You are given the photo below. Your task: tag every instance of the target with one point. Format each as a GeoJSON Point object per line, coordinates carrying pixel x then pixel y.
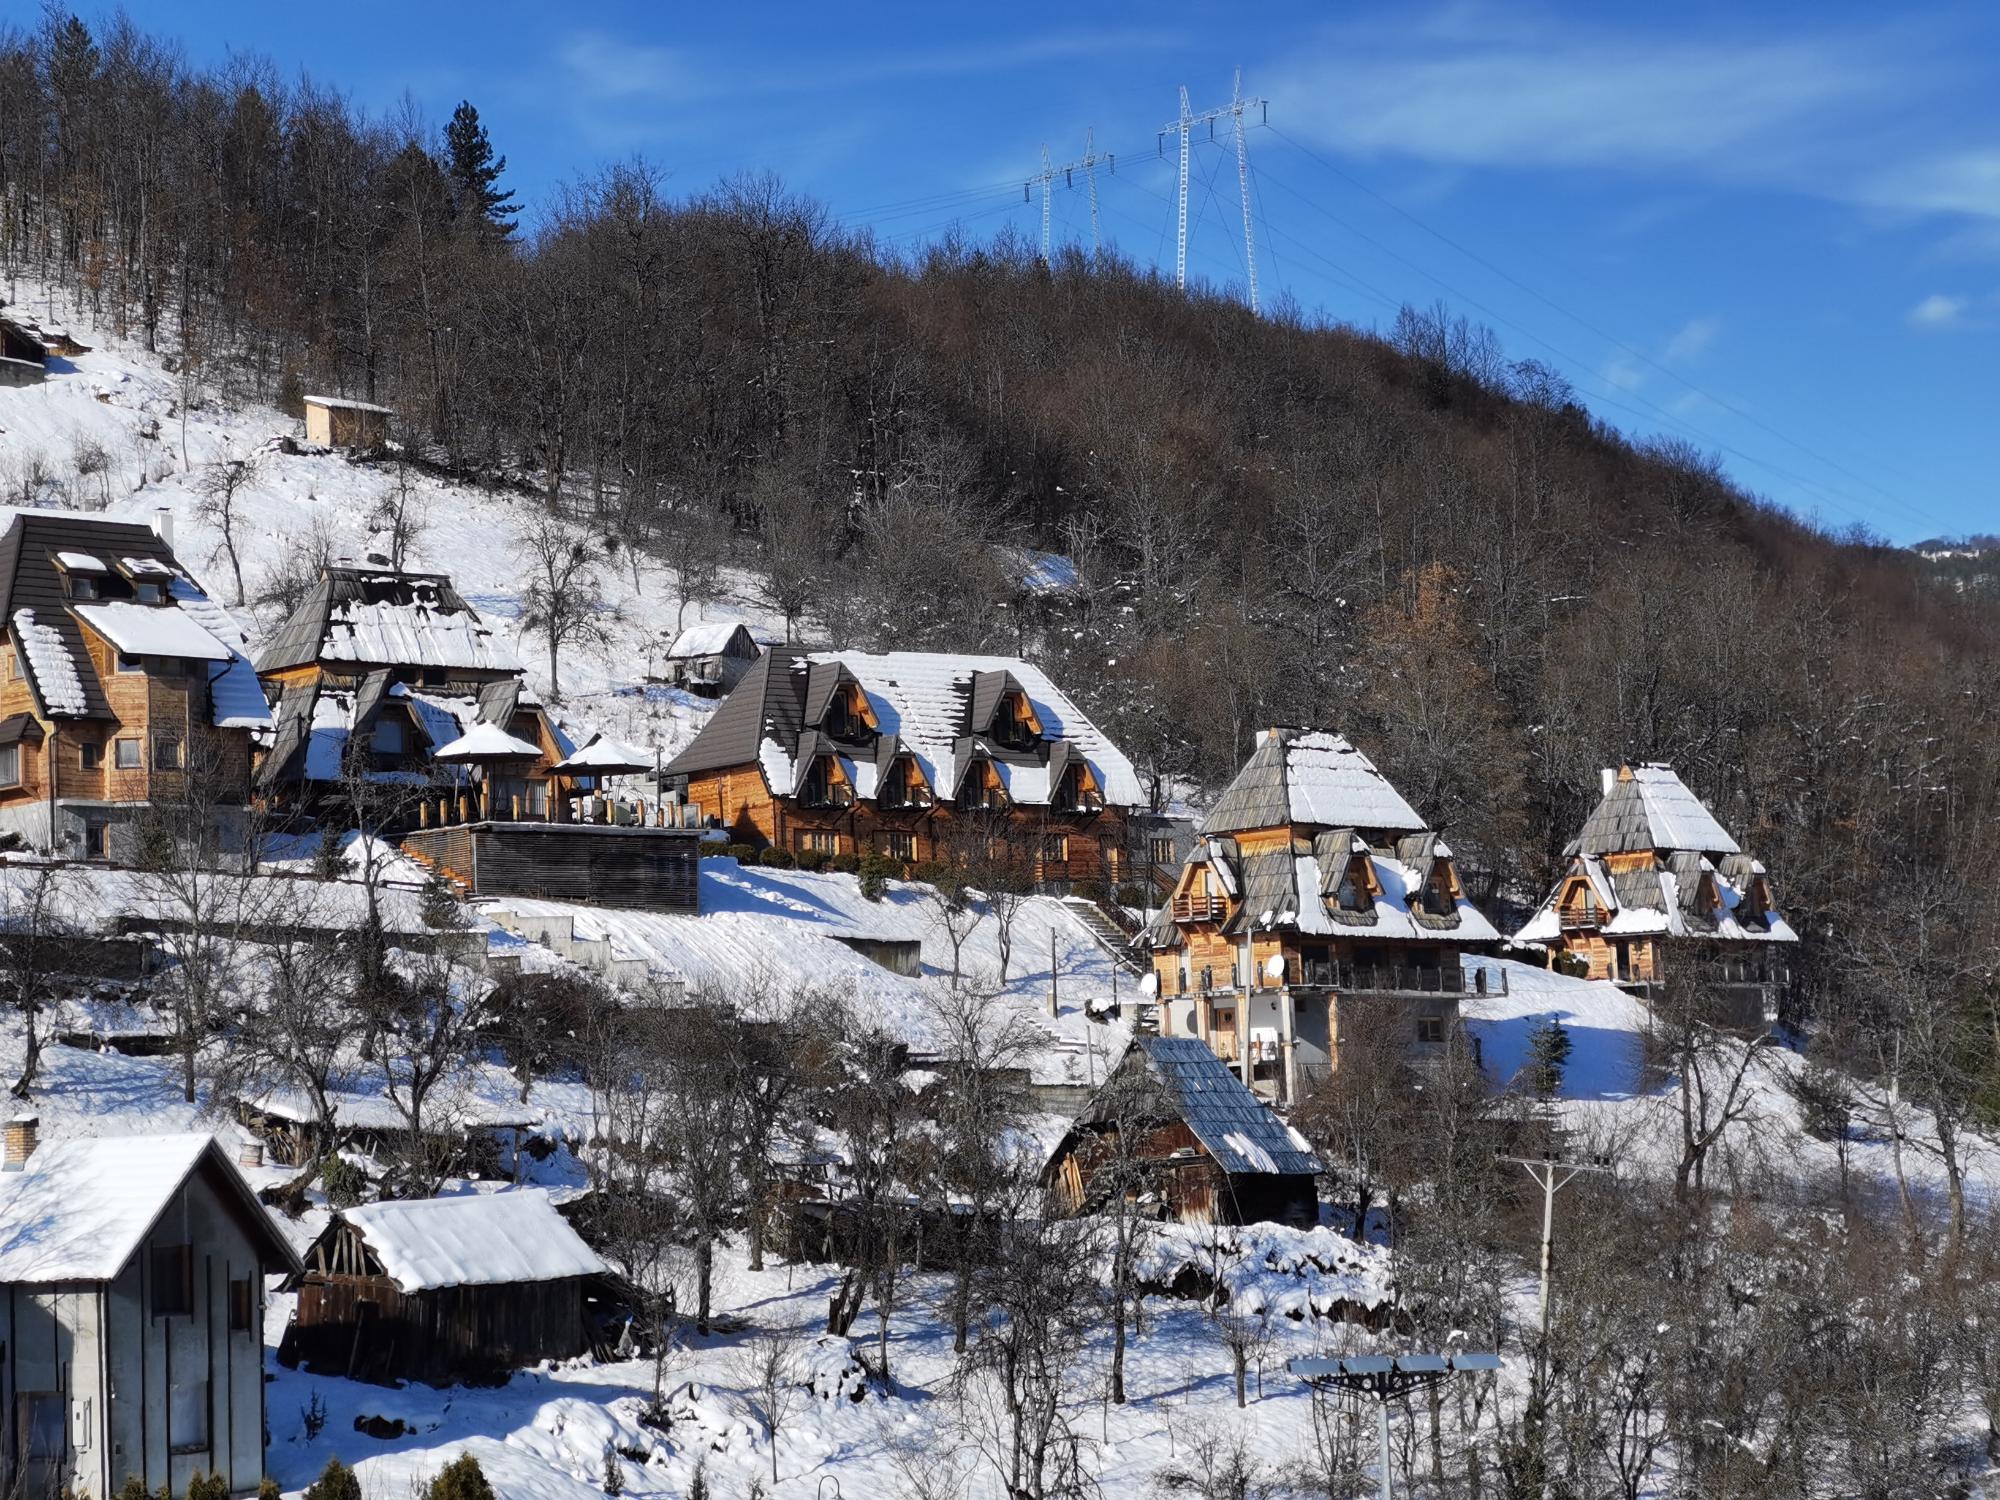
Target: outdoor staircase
{"type": "Point", "coordinates": [1112, 938]}
{"type": "Point", "coordinates": [460, 886]}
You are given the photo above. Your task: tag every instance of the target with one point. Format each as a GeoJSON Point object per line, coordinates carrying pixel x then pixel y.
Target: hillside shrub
{"type": "Point", "coordinates": [267, 1489]}
{"type": "Point", "coordinates": [342, 1181]}
{"type": "Point", "coordinates": [845, 864]}
{"type": "Point", "coordinates": [207, 1486]}
{"type": "Point", "coordinates": [813, 860]}
{"type": "Point", "coordinates": [876, 871]}
{"type": "Point", "coordinates": [777, 859]}
{"type": "Point", "coordinates": [336, 1482]}
{"type": "Point", "coordinates": [134, 1488]}
{"type": "Point", "coordinates": [743, 854]}
{"type": "Point", "coordinates": [461, 1479]}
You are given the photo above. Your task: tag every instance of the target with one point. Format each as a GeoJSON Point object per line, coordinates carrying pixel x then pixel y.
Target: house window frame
{"type": "Point", "coordinates": [907, 853]}
{"type": "Point", "coordinates": [162, 761]}
{"type": "Point", "coordinates": [242, 1315]}
{"type": "Point", "coordinates": [95, 838]}
{"type": "Point", "coordinates": [819, 841]}
{"type": "Point", "coordinates": [149, 591]}
{"type": "Point", "coordinates": [90, 755]}
{"type": "Point", "coordinates": [130, 665]}
{"type": "Point", "coordinates": [84, 588]}
{"type": "Point", "coordinates": [1055, 848]}
{"type": "Point", "coordinates": [1430, 1031]}
{"type": "Point", "coordinates": [126, 745]}
{"type": "Point", "coordinates": [10, 774]}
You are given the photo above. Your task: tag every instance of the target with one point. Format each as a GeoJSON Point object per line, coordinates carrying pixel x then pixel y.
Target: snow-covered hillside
{"type": "Point", "coordinates": [104, 432]}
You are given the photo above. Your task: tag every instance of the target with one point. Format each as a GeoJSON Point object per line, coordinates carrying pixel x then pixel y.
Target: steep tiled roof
{"type": "Point", "coordinates": [1233, 1126]}
{"type": "Point", "coordinates": [1314, 778]}
{"type": "Point", "coordinates": [378, 617]}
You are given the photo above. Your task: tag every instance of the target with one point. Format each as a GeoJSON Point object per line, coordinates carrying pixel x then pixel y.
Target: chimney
{"type": "Point", "coordinates": [250, 1154]}
{"type": "Point", "coordinates": [163, 524]}
{"type": "Point", "coordinates": [22, 1132]}
{"type": "Point", "coordinates": [1610, 779]}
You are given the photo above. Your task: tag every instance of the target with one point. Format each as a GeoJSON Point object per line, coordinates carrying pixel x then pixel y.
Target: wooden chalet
{"type": "Point", "coordinates": [1653, 883]}
{"type": "Point", "coordinates": [119, 677]}
{"type": "Point", "coordinates": [915, 756]}
{"type": "Point", "coordinates": [131, 1315]}
{"type": "Point", "coordinates": [441, 1289]}
{"type": "Point", "coordinates": [710, 659]}
{"type": "Point", "coordinates": [334, 422]}
{"type": "Point", "coordinates": [1211, 1152]}
{"type": "Point", "coordinates": [1314, 899]}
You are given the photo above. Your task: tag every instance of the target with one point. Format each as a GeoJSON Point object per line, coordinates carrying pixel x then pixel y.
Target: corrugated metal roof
{"type": "Point", "coordinates": [1233, 1126]}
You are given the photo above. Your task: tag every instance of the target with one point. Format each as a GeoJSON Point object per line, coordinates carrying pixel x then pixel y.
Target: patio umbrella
{"type": "Point", "coordinates": [604, 756]}
{"type": "Point", "coordinates": [483, 743]}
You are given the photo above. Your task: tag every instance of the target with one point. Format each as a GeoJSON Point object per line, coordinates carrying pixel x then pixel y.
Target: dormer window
{"type": "Point", "coordinates": [84, 588]}
{"type": "Point", "coordinates": [823, 786]}
{"type": "Point", "coordinates": [981, 789]}
{"type": "Point", "coordinates": [1014, 723]}
{"type": "Point", "coordinates": [903, 786]}
{"type": "Point", "coordinates": [148, 592]}
{"type": "Point", "coordinates": [387, 737]}
{"type": "Point", "coordinates": [1078, 792]}
{"type": "Point", "coordinates": [129, 663]}
{"type": "Point", "coordinates": [1349, 896]}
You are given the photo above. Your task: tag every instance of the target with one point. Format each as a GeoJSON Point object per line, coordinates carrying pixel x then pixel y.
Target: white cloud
{"type": "Point", "coordinates": [1692, 340]}
{"type": "Point", "coordinates": [1939, 311]}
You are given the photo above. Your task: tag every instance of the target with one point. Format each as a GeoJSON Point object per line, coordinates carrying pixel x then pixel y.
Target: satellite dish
{"type": "Point", "coordinates": [1274, 966]}
{"type": "Point", "coordinates": [1150, 985]}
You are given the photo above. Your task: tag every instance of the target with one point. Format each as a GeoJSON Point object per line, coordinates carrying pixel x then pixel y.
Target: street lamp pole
{"type": "Point", "coordinates": [1388, 1378]}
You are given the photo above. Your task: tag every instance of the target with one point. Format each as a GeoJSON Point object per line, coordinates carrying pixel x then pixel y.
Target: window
{"type": "Point", "coordinates": [187, 1415]}
{"type": "Point", "coordinates": [148, 593]}
{"type": "Point", "coordinates": [173, 1281]}
{"type": "Point", "coordinates": [1163, 850]}
{"type": "Point", "coordinates": [128, 663]}
{"type": "Point", "coordinates": [820, 841]}
{"type": "Point", "coordinates": [538, 798]}
{"type": "Point", "coordinates": [10, 765]}
{"type": "Point", "coordinates": [1055, 848]}
{"type": "Point", "coordinates": [128, 755]}
{"type": "Point", "coordinates": [901, 846]}
{"type": "Point", "coordinates": [166, 755]}
{"type": "Point", "coordinates": [91, 755]}
{"type": "Point", "coordinates": [241, 1308]}
{"type": "Point", "coordinates": [1349, 893]}
{"type": "Point", "coordinates": [1430, 1030]}
{"type": "Point", "coordinates": [386, 738]}
{"type": "Point", "coordinates": [93, 838]}
{"type": "Point", "coordinates": [83, 588]}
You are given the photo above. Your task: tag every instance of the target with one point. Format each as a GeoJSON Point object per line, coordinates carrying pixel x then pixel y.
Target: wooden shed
{"type": "Point", "coordinates": [710, 659]}
{"type": "Point", "coordinates": [442, 1289]}
{"type": "Point", "coordinates": [1209, 1151]}
{"type": "Point", "coordinates": [334, 422]}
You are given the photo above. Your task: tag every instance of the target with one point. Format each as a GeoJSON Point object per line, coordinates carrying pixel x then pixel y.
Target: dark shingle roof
{"type": "Point", "coordinates": [770, 691]}
{"type": "Point", "coordinates": [286, 760]}
{"type": "Point", "coordinates": [29, 580]}
{"type": "Point", "coordinates": [1243, 1136]}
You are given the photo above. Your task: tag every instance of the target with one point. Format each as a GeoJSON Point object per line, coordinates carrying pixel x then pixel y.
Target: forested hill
{"type": "Point", "coordinates": [1413, 539]}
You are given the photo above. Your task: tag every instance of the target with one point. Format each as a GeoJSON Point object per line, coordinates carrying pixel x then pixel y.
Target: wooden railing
{"type": "Point", "coordinates": [1199, 908]}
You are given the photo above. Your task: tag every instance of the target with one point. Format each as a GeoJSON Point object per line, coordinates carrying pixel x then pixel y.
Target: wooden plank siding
{"type": "Point", "coordinates": [653, 868]}
{"type": "Point", "coordinates": [368, 1327]}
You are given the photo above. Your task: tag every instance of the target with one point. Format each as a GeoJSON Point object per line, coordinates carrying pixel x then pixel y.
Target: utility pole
{"type": "Point", "coordinates": [1552, 1177]}
{"type": "Point", "coordinates": [1388, 1378]}
{"type": "Point", "coordinates": [1234, 112]}
{"type": "Point", "coordinates": [1087, 164]}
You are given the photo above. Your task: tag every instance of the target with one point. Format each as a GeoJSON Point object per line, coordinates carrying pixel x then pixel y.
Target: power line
{"type": "Point", "coordinates": [1609, 337]}
{"type": "Point", "coordinates": [1234, 112]}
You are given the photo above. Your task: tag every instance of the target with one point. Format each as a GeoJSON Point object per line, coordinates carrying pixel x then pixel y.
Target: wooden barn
{"type": "Point", "coordinates": [333, 422]}
{"type": "Point", "coordinates": [1654, 881]}
{"type": "Point", "coordinates": [711, 658]}
{"type": "Point", "coordinates": [442, 1289]}
{"type": "Point", "coordinates": [1211, 1151]}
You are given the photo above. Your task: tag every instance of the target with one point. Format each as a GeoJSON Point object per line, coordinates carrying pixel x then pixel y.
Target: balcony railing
{"type": "Point", "coordinates": [1350, 979]}
{"type": "Point", "coordinates": [1199, 908]}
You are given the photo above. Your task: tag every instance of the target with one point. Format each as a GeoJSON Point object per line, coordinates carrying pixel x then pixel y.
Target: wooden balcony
{"type": "Point", "coordinates": [1378, 979]}
{"type": "Point", "coordinates": [1199, 908]}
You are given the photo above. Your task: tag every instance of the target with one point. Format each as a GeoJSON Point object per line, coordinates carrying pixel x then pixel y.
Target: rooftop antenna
{"type": "Point", "coordinates": [1233, 111]}
{"type": "Point", "coordinates": [1086, 164]}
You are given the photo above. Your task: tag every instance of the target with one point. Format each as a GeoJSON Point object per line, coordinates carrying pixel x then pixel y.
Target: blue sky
{"type": "Point", "coordinates": [1773, 230]}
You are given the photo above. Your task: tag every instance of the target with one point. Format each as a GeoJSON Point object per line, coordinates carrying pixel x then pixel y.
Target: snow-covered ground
{"type": "Point", "coordinates": [123, 404]}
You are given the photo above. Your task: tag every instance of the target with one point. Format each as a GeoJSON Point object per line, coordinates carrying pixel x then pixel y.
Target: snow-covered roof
{"type": "Point", "coordinates": [49, 664]}
{"type": "Point", "coordinates": [236, 698]}
{"type": "Point", "coordinates": [82, 562]}
{"type": "Point", "coordinates": [605, 756]}
{"type": "Point", "coordinates": [486, 742]}
{"type": "Point", "coordinates": [708, 639]}
{"type": "Point", "coordinates": [1663, 900]}
{"type": "Point", "coordinates": [933, 706]}
{"type": "Point", "coordinates": [1649, 807]}
{"type": "Point", "coordinates": [483, 1239]}
{"type": "Point", "coordinates": [1310, 777]}
{"type": "Point", "coordinates": [151, 630]}
{"type": "Point", "coordinates": [80, 1209]}
{"type": "Point", "coordinates": [341, 403]}
{"type": "Point", "coordinates": [377, 617]}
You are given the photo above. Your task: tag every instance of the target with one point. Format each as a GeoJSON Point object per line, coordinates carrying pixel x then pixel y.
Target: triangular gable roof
{"type": "Point", "coordinates": [378, 617]}
{"type": "Point", "coordinates": [1236, 1128]}
{"type": "Point", "coordinates": [1309, 777]}
{"type": "Point", "coordinates": [1650, 808]}
{"type": "Point", "coordinates": [81, 1209]}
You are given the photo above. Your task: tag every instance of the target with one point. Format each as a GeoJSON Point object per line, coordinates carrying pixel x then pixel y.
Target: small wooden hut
{"type": "Point", "coordinates": [710, 659]}
{"type": "Point", "coordinates": [440, 1289]}
{"type": "Point", "coordinates": [333, 422]}
{"type": "Point", "coordinates": [1209, 1150]}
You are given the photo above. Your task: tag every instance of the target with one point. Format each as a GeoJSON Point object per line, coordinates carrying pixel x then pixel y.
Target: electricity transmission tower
{"type": "Point", "coordinates": [1234, 112]}
{"type": "Point", "coordinates": [1086, 164]}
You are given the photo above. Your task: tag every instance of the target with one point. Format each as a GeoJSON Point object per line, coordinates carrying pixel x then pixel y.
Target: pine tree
{"type": "Point", "coordinates": [1548, 1053]}
{"type": "Point", "coordinates": [475, 174]}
